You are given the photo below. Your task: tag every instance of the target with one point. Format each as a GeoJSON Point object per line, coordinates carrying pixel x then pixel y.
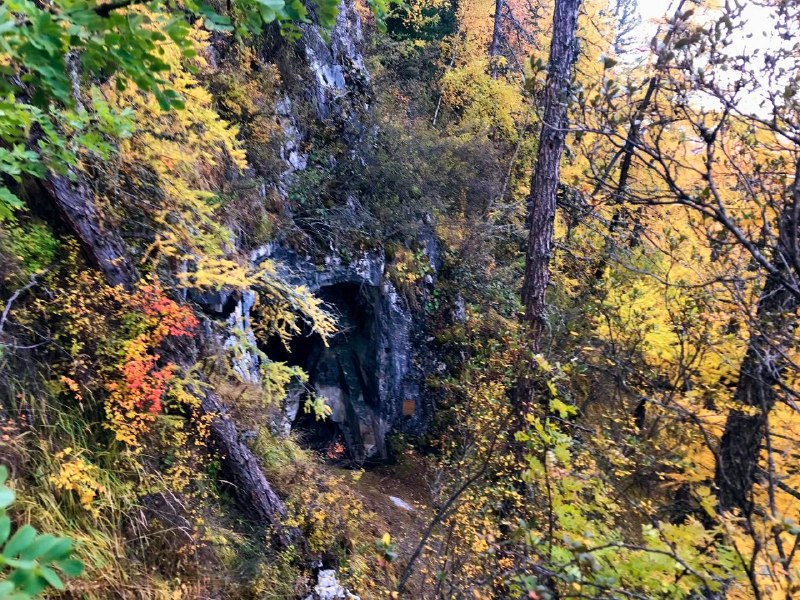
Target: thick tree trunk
{"type": "Point", "coordinates": [737, 459]}
{"type": "Point", "coordinates": [497, 35]}
{"type": "Point", "coordinates": [761, 370]}
{"type": "Point", "coordinates": [544, 184]}
{"type": "Point", "coordinates": [102, 245]}
{"type": "Point", "coordinates": [250, 485]}
{"type": "Point", "coordinates": [75, 202]}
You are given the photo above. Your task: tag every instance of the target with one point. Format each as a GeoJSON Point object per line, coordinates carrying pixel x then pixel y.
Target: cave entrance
{"type": "Point", "coordinates": [345, 374]}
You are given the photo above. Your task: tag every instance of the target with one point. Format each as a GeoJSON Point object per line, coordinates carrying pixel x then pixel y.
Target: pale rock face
{"type": "Point", "coordinates": [335, 65]}
{"type": "Point", "coordinates": [240, 341]}
{"type": "Point", "coordinates": [290, 152]}
{"type": "Point", "coordinates": [400, 503]}
{"type": "Point", "coordinates": [335, 401]}
{"type": "Point", "coordinates": [328, 588]}
{"type": "Point", "coordinates": [246, 363]}
{"type": "Point", "coordinates": [291, 406]}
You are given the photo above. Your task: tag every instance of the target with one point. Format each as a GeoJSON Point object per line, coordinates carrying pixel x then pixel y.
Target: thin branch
{"type": "Point", "coordinates": [15, 296]}
{"type": "Point", "coordinates": [105, 10]}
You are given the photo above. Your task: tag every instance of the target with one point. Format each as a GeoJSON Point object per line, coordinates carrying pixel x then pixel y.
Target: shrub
{"type": "Point", "coordinates": [30, 562]}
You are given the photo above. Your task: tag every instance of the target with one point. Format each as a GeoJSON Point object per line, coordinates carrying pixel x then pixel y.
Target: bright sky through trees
{"type": "Point", "coordinates": [756, 39]}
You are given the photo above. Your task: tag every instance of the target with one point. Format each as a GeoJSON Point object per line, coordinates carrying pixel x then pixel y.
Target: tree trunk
{"type": "Point", "coordinates": [102, 245]}
{"type": "Point", "coordinates": [497, 35]}
{"type": "Point", "coordinates": [106, 250]}
{"type": "Point", "coordinates": [761, 370]}
{"type": "Point", "coordinates": [250, 485]}
{"type": "Point", "coordinates": [544, 184]}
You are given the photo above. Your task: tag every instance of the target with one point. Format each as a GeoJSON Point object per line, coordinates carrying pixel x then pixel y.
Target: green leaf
{"type": "Point", "coordinates": [19, 541]}
{"type": "Point", "coordinates": [5, 528]}
{"type": "Point", "coordinates": [9, 203]}
{"type": "Point", "coordinates": [275, 5]}
{"type": "Point", "coordinates": [17, 596]}
{"type": "Point", "coordinates": [7, 496]}
{"type": "Point", "coordinates": [51, 577]}
{"type": "Point", "coordinates": [39, 546]}
{"type": "Point", "coordinates": [28, 581]}
{"type": "Point", "coordinates": [213, 20]}
{"type": "Point", "coordinates": [70, 567]}
{"type": "Point", "coordinates": [60, 549]}
{"type": "Point", "coordinates": [562, 409]}
{"type": "Point", "coordinates": [25, 565]}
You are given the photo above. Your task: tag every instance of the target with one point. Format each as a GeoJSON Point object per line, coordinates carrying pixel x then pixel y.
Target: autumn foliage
{"type": "Point", "coordinates": [159, 162]}
{"type": "Point", "coordinates": [137, 395]}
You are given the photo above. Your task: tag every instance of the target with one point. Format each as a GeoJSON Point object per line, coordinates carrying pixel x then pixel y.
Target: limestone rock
{"type": "Point", "coordinates": [328, 588]}
{"type": "Point", "coordinates": [366, 372]}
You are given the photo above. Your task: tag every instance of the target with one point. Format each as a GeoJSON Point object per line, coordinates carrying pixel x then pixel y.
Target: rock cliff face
{"type": "Point", "coordinates": [367, 374]}
{"type": "Point", "coordinates": [340, 79]}
{"type": "Point", "coordinates": [326, 72]}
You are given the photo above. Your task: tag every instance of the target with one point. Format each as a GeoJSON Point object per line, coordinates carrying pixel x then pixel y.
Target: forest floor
{"type": "Point", "coordinates": [406, 481]}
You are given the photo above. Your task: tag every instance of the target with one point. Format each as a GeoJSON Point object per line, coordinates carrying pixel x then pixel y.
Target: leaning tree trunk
{"type": "Point", "coordinates": [106, 250]}
{"type": "Point", "coordinates": [250, 485]}
{"type": "Point", "coordinates": [102, 245]}
{"type": "Point", "coordinates": [763, 367]}
{"type": "Point", "coordinates": [544, 184]}
{"type": "Point", "coordinates": [542, 209]}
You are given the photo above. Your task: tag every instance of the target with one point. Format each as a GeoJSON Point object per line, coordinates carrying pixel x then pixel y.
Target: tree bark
{"type": "Point", "coordinates": [544, 184]}
{"type": "Point", "coordinates": [250, 485]}
{"type": "Point", "coordinates": [497, 35]}
{"type": "Point", "coordinates": [106, 250]}
{"type": "Point", "coordinates": [762, 368]}
{"type": "Point", "coordinates": [103, 246]}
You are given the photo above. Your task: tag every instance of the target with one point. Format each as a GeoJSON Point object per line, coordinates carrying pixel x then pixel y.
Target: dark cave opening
{"type": "Point", "coordinates": [345, 373]}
